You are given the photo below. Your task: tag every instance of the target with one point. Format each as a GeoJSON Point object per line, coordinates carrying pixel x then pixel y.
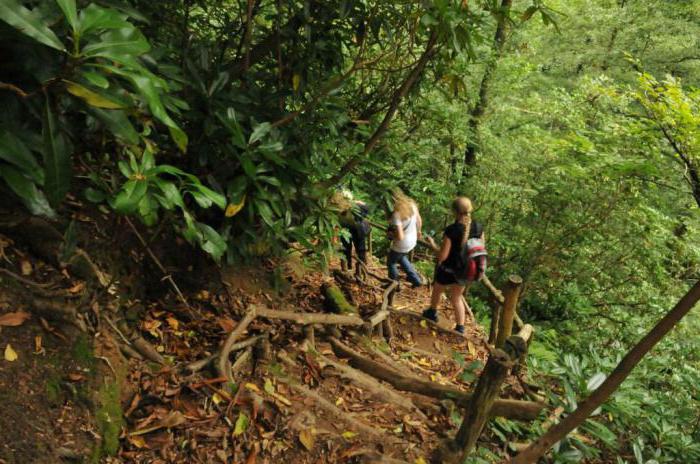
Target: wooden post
{"type": "Point", "coordinates": [495, 318]}
{"type": "Point", "coordinates": [479, 409]}
{"type": "Point", "coordinates": [505, 326]}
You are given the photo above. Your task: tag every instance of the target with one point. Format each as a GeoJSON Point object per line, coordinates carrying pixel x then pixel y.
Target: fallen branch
{"type": "Point", "coordinates": [310, 318]}
{"type": "Point", "coordinates": [223, 365]}
{"type": "Point", "coordinates": [512, 409]}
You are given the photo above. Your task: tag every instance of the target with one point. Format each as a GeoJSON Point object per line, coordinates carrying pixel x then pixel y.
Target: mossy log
{"type": "Point", "coordinates": [335, 301]}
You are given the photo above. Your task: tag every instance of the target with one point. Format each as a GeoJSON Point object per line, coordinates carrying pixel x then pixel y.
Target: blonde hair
{"type": "Point", "coordinates": [462, 207]}
{"type": "Point", "coordinates": [404, 206]}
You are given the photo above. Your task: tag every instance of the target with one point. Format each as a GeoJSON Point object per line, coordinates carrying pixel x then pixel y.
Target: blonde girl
{"type": "Point", "coordinates": [405, 226]}
{"type": "Point", "coordinates": [450, 273]}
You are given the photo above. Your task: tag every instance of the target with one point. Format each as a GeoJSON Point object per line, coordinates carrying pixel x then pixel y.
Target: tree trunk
{"type": "Point", "coordinates": [611, 384]}
{"type": "Point", "coordinates": [482, 101]}
{"type": "Point", "coordinates": [430, 50]}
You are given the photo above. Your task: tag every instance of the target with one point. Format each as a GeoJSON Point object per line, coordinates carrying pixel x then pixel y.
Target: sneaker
{"type": "Point", "coordinates": [459, 328]}
{"type": "Point", "coordinates": [431, 314]}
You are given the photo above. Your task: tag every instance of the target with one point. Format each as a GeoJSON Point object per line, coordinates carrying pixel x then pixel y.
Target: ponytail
{"type": "Point", "coordinates": [462, 207]}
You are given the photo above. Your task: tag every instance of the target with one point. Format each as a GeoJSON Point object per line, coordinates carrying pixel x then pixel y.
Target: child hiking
{"type": "Point", "coordinates": [461, 260]}
{"type": "Point", "coordinates": [404, 231]}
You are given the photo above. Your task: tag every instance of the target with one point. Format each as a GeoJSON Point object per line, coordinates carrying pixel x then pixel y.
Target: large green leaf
{"type": "Point", "coordinates": [68, 7]}
{"type": "Point", "coordinates": [57, 158]}
{"type": "Point", "coordinates": [128, 199]}
{"type": "Point", "coordinates": [118, 123]}
{"type": "Point", "coordinates": [149, 91]}
{"type": "Point", "coordinates": [118, 42]}
{"type": "Point", "coordinates": [95, 18]}
{"type": "Point", "coordinates": [211, 241]}
{"type": "Point", "coordinates": [29, 22]}
{"type": "Point", "coordinates": [15, 152]}
{"type": "Point", "coordinates": [31, 196]}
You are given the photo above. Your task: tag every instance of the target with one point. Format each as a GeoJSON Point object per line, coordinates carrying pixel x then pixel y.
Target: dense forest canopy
{"type": "Point", "coordinates": [574, 126]}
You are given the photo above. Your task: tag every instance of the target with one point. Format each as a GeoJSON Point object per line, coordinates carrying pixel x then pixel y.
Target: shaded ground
{"type": "Point", "coordinates": [45, 393]}
{"type": "Point", "coordinates": [78, 397]}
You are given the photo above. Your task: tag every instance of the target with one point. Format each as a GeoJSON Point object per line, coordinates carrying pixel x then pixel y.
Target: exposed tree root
{"type": "Point", "coordinates": [332, 409]}
{"type": "Point", "coordinates": [512, 409]}
{"type": "Point", "coordinates": [223, 364]}
{"type": "Point", "coordinates": [147, 350]}
{"type": "Point", "coordinates": [375, 387]}
{"type": "Point", "coordinates": [200, 364]}
{"type": "Point", "coordinates": [310, 318]}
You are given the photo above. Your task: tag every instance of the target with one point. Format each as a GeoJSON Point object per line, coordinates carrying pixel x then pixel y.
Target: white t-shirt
{"type": "Point", "coordinates": [410, 232]}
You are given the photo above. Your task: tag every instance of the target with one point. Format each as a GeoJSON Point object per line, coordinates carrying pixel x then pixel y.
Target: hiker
{"type": "Point", "coordinates": [404, 231]}
{"type": "Point", "coordinates": [461, 259]}
{"type": "Point", "coordinates": [354, 219]}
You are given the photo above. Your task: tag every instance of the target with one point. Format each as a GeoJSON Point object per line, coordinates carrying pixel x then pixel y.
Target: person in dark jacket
{"type": "Point", "coordinates": [354, 220]}
{"type": "Point", "coordinates": [450, 273]}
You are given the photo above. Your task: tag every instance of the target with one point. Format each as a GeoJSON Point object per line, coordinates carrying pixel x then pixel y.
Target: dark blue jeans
{"type": "Point", "coordinates": [396, 259]}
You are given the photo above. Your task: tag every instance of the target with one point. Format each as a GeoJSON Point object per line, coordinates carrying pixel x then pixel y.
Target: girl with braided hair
{"type": "Point", "coordinates": [450, 272]}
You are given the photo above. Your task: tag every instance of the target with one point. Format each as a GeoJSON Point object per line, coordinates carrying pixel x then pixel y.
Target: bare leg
{"type": "Point", "coordinates": [456, 300]}
{"type": "Point", "coordinates": [438, 289]}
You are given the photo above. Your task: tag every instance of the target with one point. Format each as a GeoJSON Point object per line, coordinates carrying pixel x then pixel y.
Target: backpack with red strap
{"type": "Point", "coordinates": [475, 257]}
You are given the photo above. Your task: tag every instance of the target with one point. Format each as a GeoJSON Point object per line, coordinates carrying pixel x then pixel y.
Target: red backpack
{"type": "Point", "coordinates": [474, 257]}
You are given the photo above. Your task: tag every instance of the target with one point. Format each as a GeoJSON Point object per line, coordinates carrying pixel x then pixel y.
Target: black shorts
{"type": "Point", "coordinates": [445, 276]}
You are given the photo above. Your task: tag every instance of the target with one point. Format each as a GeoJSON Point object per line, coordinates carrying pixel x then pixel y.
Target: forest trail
{"type": "Point", "coordinates": [296, 399]}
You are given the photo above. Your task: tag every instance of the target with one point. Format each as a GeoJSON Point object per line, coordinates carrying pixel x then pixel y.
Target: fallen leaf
{"type": "Point", "coordinates": [269, 388]}
{"type": "Point", "coordinates": [173, 323]}
{"type": "Point", "coordinates": [75, 377]}
{"type": "Point", "coordinates": [226, 323]}
{"type": "Point", "coordinates": [137, 441]}
{"type": "Point", "coordinates": [252, 387]}
{"type": "Point", "coordinates": [77, 288]}
{"type": "Point", "coordinates": [306, 437]}
{"type": "Point", "coordinates": [10, 354]}
{"type": "Point", "coordinates": [339, 401]}
{"type": "Point", "coordinates": [38, 349]}
{"type": "Point", "coordinates": [348, 434]}
{"type": "Point", "coordinates": [420, 460]}
{"type": "Point", "coordinates": [241, 424]}
{"type": "Point", "coordinates": [173, 419]}
{"type": "Point", "coordinates": [281, 398]}
{"type": "Point", "coordinates": [26, 267]}
{"type": "Point", "coordinates": [221, 454]}
{"type": "Point", "coordinates": [14, 319]}
{"type": "Point", "coordinates": [216, 398]}
{"type": "Point", "coordinates": [253, 456]}
{"type": "Point", "coordinates": [472, 349]}
{"type": "Point", "coordinates": [424, 324]}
